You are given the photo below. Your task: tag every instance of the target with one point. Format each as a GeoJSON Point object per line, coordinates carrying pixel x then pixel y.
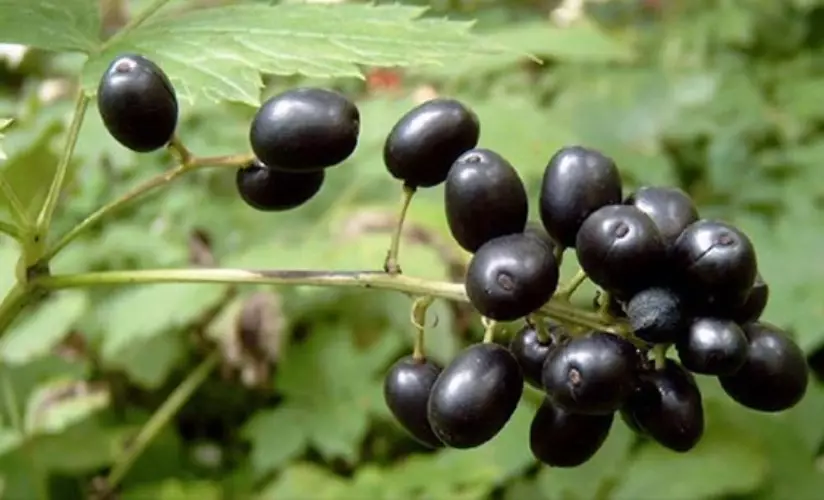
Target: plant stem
{"type": "Point", "coordinates": [136, 21]}
{"type": "Point", "coordinates": [540, 329]}
{"type": "Point", "coordinates": [17, 209]}
{"type": "Point", "coordinates": [160, 418]}
{"type": "Point", "coordinates": [569, 288]}
{"type": "Point", "coordinates": [557, 309]}
{"type": "Point", "coordinates": [13, 304]}
{"type": "Point", "coordinates": [489, 330]}
{"type": "Point", "coordinates": [10, 230]}
{"type": "Point", "coordinates": [44, 217]}
{"type": "Point", "coordinates": [419, 308]}
{"type": "Point", "coordinates": [659, 353]}
{"type": "Point", "coordinates": [391, 265]}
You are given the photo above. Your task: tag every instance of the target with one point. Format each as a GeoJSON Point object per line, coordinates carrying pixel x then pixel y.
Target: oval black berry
{"type": "Point", "coordinates": [715, 262]}
{"type": "Point", "coordinates": [475, 396]}
{"type": "Point", "coordinates": [427, 140]}
{"type": "Point", "coordinates": [656, 315]}
{"type": "Point", "coordinates": [667, 405]}
{"type": "Point", "coordinates": [406, 390]}
{"type": "Point", "coordinates": [591, 374]}
{"type": "Point", "coordinates": [305, 129]}
{"type": "Point", "coordinates": [511, 276]}
{"type": "Point", "coordinates": [577, 182]}
{"type": "Point", "coordinates": [713, 347]}
{"type": "Point", "coordinates": [620, 249]}
{"type": "Point", "coordinates": [774, 376]}
{"type": "Point", "coordinates": [137, 103]}
{"type": "Point", "coordinates": [757, 300]}
{"type": "Point", "coordinates": [484, 198]}
{"type": "Point", "coordinates": [531, 352]}
{"type": "Point", "coordinates": [559, 438]}
{"type": "Point", "coordinates": [670, 208]}
{"type": "Point", "coordinates": [272, 190]}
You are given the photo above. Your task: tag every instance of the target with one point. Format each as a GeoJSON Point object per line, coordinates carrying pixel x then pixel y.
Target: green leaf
{"type": "Point", "coordinates": [10, 440]}
{"type": "Point", "coordinates": [4, 122]}
{"type": "Point", "coordinates": [51, 24]}
{"type": "Point", "coordinates": [58, 405]}
{"type": "Point", "coordinates": [150, 362]}
{"type": "Point", "coordinates": [329, 387]}
{"type": "Point", "coordinates": [175, 489]}
{"type": "Point", "coordinates": [300, 478]}
{"type": "Point", "coordinates": [40, 332]}
{"type": "Point", "coordinates": [218, 53]}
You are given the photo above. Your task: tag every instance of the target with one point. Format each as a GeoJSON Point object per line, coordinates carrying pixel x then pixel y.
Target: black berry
{"type": "Point", "coordinates": [484, 198]}
{"type": "Point", "coordinates": [591, 374]}
{"type": "Point", "coordinates": [716, 263]}
{"type": "Point", "coordinates": [424, 143]}
{"type": "Point", "coordinates": [671, 209]}
{"type": "Point", "coordinates": [774, 376]}
{"type": "Point", "coordinates": [757, 300]}
{"type": "Point", "coordinates": [667, 405]}
{"type": "Point", "coordinates": [271, 190]}
{"type": "Point", "coordinates": [406, 391]}
{"type": "Point", "coordinates": [620, 249]}
{"type": "Point", "coordinates": [655, 315]}
{"type": "Point", "coordinates": [537, 231]}
{"type": "Point", "coordinates": [475, 396]}
{"type": "Point", "coordinates": [305, 129]}
{"type": "Point", "coordinates": [713, 347]}
{"type": "Point", "coordinates": [559, 438]}
{"type": "Point", "coordinates": [577, 181]}
{"type": "Point", "coordinates": [511, 276]}
{"type": "Point", "coordinates": [137, 103]}
{"type": "Point", "coordinates": [531, 352]}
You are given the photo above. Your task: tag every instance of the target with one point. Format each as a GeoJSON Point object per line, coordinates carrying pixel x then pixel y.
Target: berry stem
{"type": "Point", "coordinates": [184, 155]}
{"type": "Point", "coordinates": [391, 264]}
{"type": "Point", "coordinates": [540, 328]}
{"type": "Point", "coordinates": [659, 353]}
{"type": "Point", "coordinates": [490, 326]}
{"type": "Point", "coordinates": [10, 230]}
{"type": "Point", "coordinates": [17, 299]}
{"type": "Point", "coordinates": [572, 286]}
{"type": "Point", "coordinates": [160, 418]}
{"type": "Point", "coordinates": [419, 308]}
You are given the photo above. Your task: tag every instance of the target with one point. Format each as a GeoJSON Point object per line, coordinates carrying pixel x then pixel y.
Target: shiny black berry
{"type": "Point", "coordinates": [305, 129]}
{"type": "Point", "coordinates": [713, 346]}
{"type": "Point", "coordinates": [715, 263]}
{"type": "Point", "coordinates": [511, 276]}
{"type": "Point", "coordinates": [406, 390]}
{"type": "Point", "coordinates": [591, 374]}
{"type": "Point", "coordinates": [577, 182]}
{"type": "Point", "coordinates": [475, 396]}
{"type": "Point", "coordinates": [484, 198]}
{"type": "Point", "coordinates": [137, 103]}
{"type": "Point", "coordinates": [757, 300]}
{"type": "Point", "coordinates": [671, 209]}
{"type": "Point", "coordinates": [536, 230]}
{"type": "Point", "coordinates": [559, 438]}
{"type": "Point", "coordinates": [620, 249]}
{"type": "Point", "coordinates": [531, 352]}
{"type": "Point", "coordinates": [272, 190]}
{"type": "Point", "coordinates": [656, 315]}
{"type": "Point", "coordinates": [667, 405]}
{"type": "Point", "coordinates": [424, 143]}
{"type": "Point", "coordinates": [774, 376]}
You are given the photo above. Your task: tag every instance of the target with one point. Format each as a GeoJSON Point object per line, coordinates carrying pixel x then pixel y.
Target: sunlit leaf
{"type": "Point", "coordinates": [51, 24]}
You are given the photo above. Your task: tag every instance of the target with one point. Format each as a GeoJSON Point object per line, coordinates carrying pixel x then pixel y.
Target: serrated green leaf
{"type": "Point", "coordinates": [218, 53]}
{"type": "Point", "coordinates": [58, 405]}
{"type": "Point", "coordinates": [51, 24]}
{"type": "Point", "coordinates": [38, 333]}
{"type": "Point", "coordinates": [329, 387]}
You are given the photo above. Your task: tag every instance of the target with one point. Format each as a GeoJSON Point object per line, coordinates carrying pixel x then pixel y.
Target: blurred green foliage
{"type": "Point", "coordinates": [720, 97]}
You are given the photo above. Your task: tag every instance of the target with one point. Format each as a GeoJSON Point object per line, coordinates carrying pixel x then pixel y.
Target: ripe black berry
{"type": "Point", "coordinates": [753, 307]}
{"type": "Point", "coordinates": [666, 404]}
{"type": "Point", "coordinates": [577, 181]}
{"type": "Point", "coordinates": [305, 129]}
{"type": "Point", "coordinates": [591, 374]}
{"type": "Point", "coordinates": [406, 391]}
{"type": "Point", "coordinates": [655, 315]}
{"type": "Point", "coordinates": [511, 276]}
{"type": "Point", "coordinates": [560, 438]}
{"type": "Point", "coordinates": [137, 103]}
{"type": "Point", "coordinates": [484, 198]}
{"type": "Point", "coordinates": [671, 209]}
{"type": "Point", "coordinates": [271, 190]}
{"type": "Point", "coordinates": [774, 376]}
{"type": "Point", "coordinates": [620, 249]}
{"type": "Point", "coordinates": [713, 347]}
{"type": "Point", "coordinates": [531, 352]}
{"type": "Point", "coordinates": [424, 143]}
{"type": "Point", "coordinates": [716, 263]}
{"type": "Point", "coordinates": [475, 396]}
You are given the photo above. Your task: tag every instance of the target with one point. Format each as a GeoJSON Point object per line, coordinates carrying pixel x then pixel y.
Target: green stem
{"type": "Point", "coordinates": [659, 353]}
{"type": "Point", "coordinates": [569, 288]}
{"type": "Point", "coordinates": [44, 217]}
{"type": "Point", "coordinates": [540, 328]}
{"type": "Point", "coordinates": [490, 326]}
{"type": "Point", "coordinates": [13, 304]}
{"type": "Point", "coordinates": [10, 230]}
{"type": "Point", "coordinates": [17, 210]}
{"type": "Point", "coordinates": [160, 418]}
{"type": "Point", "coordinates": [560, 310]}
{"type": "Point", "coordinates": [419, 309]}
{"type": "Point", "coordinates": [136, 21]}
{"type": "Point", "coordinates": [391, 265]}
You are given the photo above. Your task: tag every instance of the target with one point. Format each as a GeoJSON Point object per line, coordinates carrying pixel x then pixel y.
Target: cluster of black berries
{"type": "Point", "coordinates": [674, 278]}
